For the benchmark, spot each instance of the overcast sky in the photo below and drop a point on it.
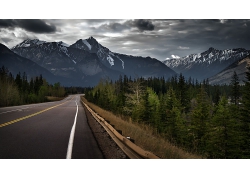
(159, 39)
(158, 29)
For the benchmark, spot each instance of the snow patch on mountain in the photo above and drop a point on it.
(121, 61)
(64, 50)
(25, 45)
(110, 60)
(175, 56)
(111, 53)
(87, 44)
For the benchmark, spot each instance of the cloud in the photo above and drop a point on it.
(181, 47)
(7, 23)
(31, 25)
(113, 26)
(36, 26)
(139, 24)
(143, 25)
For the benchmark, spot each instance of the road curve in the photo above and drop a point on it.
(42, 131)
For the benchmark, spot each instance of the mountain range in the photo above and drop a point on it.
(86, 61)
(206, 64)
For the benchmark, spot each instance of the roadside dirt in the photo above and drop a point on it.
(108, 147)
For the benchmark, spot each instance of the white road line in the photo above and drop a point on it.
(71, 138)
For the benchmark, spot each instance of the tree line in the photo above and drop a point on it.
(19, 90)
(210, 120)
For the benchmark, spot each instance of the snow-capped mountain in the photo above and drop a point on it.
(29, 43)
(88, 61)
(134, 66)
(206, 64)
(225, 76)
(62, 60)
(107, 57)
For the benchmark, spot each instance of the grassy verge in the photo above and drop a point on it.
(143, 135)
(53, 98)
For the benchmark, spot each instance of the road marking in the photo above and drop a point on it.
(31, 115)
(71, 138)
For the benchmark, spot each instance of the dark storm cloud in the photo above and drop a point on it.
(144, 25)
(7, 23)
(140, 24)
(31, 25)
(36, 26)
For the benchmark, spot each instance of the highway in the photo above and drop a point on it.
(54, 130)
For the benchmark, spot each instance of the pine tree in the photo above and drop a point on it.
(18, 81)
(163, 112)
(200, 116)
(216, 97)
(147, 108)
(134, 96)
(9, 94)
(182, 93)
(223, 134)
(175, 123)
(245, 117)
(235, 92)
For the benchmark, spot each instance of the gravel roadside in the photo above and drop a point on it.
(108, 147)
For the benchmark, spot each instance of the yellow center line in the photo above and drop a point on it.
(31, 115)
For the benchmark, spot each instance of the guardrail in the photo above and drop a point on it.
(125, 144)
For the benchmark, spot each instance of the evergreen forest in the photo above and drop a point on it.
(19, 90)
(210, 120)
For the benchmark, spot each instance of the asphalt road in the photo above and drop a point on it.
(43, 131)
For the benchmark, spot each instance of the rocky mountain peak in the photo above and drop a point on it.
(211, 49)
(29, 43)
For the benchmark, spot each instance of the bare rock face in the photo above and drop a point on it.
(225, 76)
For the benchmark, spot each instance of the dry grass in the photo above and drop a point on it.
(144, 136)
(53, 98)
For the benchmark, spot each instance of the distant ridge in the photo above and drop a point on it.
(206, 64)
